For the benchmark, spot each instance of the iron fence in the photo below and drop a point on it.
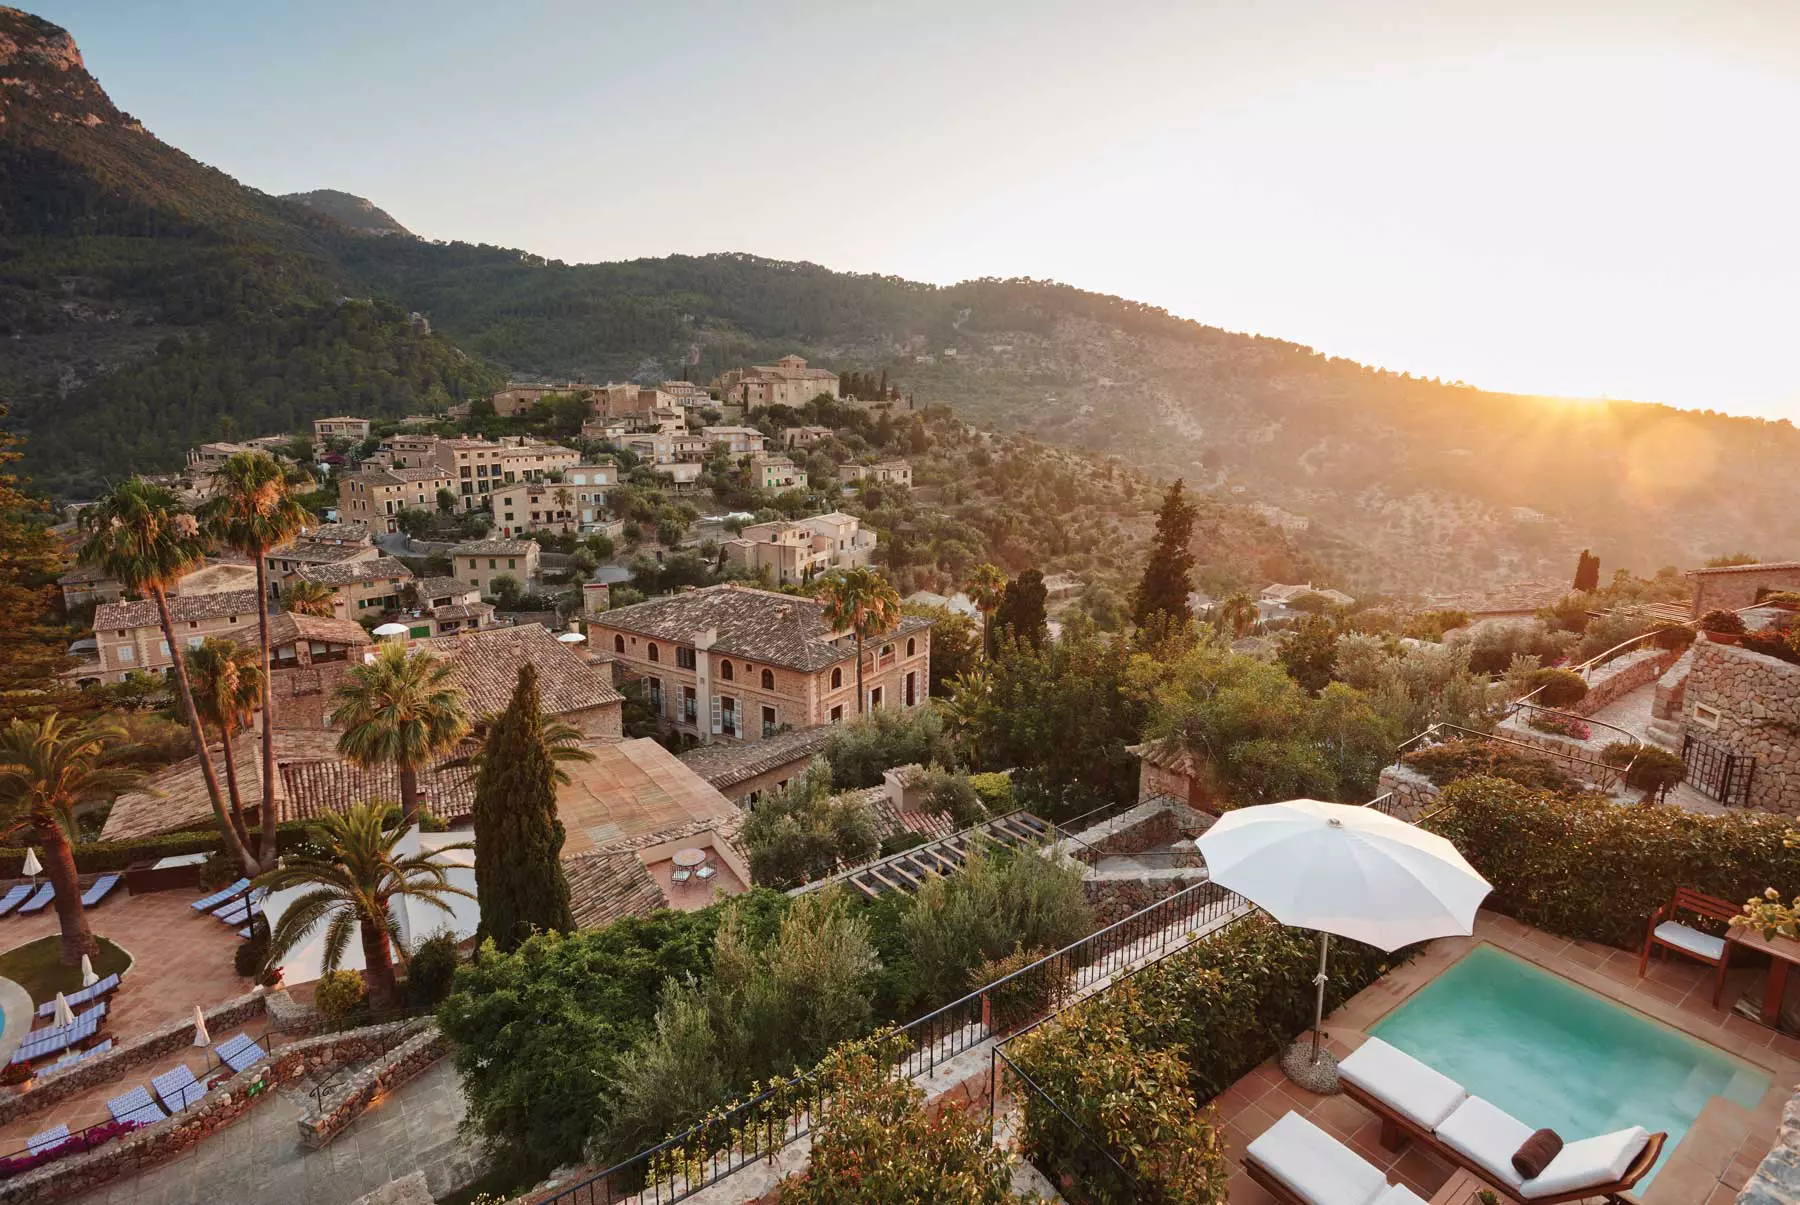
(1721, 774)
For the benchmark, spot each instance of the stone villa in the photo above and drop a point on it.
(795, 551)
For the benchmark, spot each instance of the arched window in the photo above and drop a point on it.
(768, 679)
(618, 644)
(912, 646)
(837, 678)
(887, 650)
(725, 670)
(654, 655)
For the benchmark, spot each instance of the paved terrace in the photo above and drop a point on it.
(1708, 1166)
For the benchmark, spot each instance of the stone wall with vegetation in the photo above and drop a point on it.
(1757, 699)
(1414, 794)
(1611, 682)
(350, 1098)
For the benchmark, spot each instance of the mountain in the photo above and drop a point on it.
(151, 301)
(358, 215)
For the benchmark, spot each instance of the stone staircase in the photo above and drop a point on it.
(1665, 726)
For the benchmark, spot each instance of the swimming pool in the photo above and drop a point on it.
(1554, 1054)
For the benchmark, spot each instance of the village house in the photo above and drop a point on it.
(518, 399)
(359, 588)
(480, 562)
(308, 658)
(129, 634)
(740, 664)
(687, 394)
(403, 451)
(664, 447)
(605, 430)
(375, 497)
(443, 606)
(537, 506)
(353, 429)
(481, 466)
(743, 773)
(621, 400)
(1733, 587)
(787, 382)
(739, 441)
(1276, 599)
(777, 473)
(326, 544)
(217, 575)
(800, 437)
(795, 551)
(884, 472)
(206, 458)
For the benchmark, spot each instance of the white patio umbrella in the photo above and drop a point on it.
(32, 867)
(572, 638)
(201, 1037)
(1345, 870)
(64, 1014)
(391, 629)
(88, 978)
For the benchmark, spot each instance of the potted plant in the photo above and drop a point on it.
(1722, 627)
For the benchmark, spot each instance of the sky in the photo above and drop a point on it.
(1587, 199)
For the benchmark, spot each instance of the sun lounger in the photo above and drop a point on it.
(37, 1144)
(103, 987)
(178, 1088)
(76, 1056)
(240, 1053)
(1300, 1164)
(137, 1106)
(40, 899)
(1475, 1134)
(222, 895)
(42, 1043)
(239, 911)
(99, 890)
(15, 895)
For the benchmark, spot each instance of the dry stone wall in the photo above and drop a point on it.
(1754, 706)
(1619, 677)
(349, 1099)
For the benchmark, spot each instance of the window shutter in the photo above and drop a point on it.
(717, 724)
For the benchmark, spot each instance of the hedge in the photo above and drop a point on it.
(92, 857)
(1207, 1015)
(1586, 867)
(1471, 758)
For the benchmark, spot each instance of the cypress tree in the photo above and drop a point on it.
(1165, 586)
(518, 837)
(1021, 614)
(1587, 573)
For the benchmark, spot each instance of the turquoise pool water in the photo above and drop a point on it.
(1555, 1054)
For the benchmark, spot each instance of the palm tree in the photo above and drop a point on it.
(862, 602)
(351, 887)
(47, 766)
(565, 499)
(987, 586)
(964, 707)
(228, 683)
(1238, 613)
(309, 598)
(139, 536)
(400, 709)
(253, 511)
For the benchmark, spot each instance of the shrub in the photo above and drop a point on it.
(1556, 687)
(339, 994)
(1584, 867)
(1492, 646)
(951, 795)
(876, 1144)
(219, 870)
(995, 792)
(1446, 763)
(1025, 998)
(431, 970)
(92, 857)
(1788, 599)
(1781, 646)
(802, 832)
(1673, 636)
(251, 958)
(1560, 725)
(1723, 622)
(860, 752)
(1652, 768)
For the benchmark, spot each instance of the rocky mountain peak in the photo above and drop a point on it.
(41, 71)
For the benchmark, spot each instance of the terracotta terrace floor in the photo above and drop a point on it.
(182, 958)
(1710, 1164)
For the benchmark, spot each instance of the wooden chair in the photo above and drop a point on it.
(1669, 933)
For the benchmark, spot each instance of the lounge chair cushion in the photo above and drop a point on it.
(1701, 945)
(1590, 1162)
(1489, 1135)
(1399, 1194)
(1316, 1166)
(1421, 1095)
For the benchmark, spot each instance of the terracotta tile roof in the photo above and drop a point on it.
(460, 611)
(319, 552)
(727, 765)
(606, 886)
(493, 548)
(485, 663)
(344, 573)
(174, 799)
(441, 587)
(313, 788)
(183, 607)
(1757, 568)
(287, 627)
(778, 629)
(83, 573)
(636, 790)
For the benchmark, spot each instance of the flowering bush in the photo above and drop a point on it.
(1560, 725)
(1722, 621)
(86, 1140)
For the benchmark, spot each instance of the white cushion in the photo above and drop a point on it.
(1692, 940)
(1489, 1135)
(1589, 1162)
(1315, 1166)
(1399, 1194)
(1397, 1079)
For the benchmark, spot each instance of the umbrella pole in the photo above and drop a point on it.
(1319, 1003)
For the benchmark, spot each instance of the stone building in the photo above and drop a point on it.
(1743, 706)
(480, 562)
(354, 429)
(1734, 587)
(375, 497)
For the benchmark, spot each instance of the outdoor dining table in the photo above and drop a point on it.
(1782, 952)
(687, 859)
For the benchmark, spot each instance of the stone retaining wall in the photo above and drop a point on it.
(1112, 900)
(152, 1145)
(1776, 1180)
(349, 1099)
(1617, 678)
(1414, 794)
(1671, 688)
(101, 1068)
(1756, 701)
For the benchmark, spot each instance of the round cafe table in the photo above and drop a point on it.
(687, 859)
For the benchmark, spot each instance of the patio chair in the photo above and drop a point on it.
(1668, 933)
(705, 872)
(1300, 1164)
(178, 1088)
(239, 911)
(221, 896)
(103, 987)
(15, 895)
(78, 1056)
(40, 900)
(137, 1106)
(680, 875)
(1481, 1137)
(42, 1043)
(56, 1135)
(240, 1053)
(99, 890)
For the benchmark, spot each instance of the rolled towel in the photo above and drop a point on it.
(1535, 1154)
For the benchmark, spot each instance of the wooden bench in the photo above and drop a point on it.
(1666, 932)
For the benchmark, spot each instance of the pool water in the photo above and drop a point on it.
(1554, 1054)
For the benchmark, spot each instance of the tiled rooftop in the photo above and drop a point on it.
(633, 790)
(287, 627)
(184, 608)
(727, 765)
(493, 548)
(344, 573)
(606, 886)
(486, 663)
